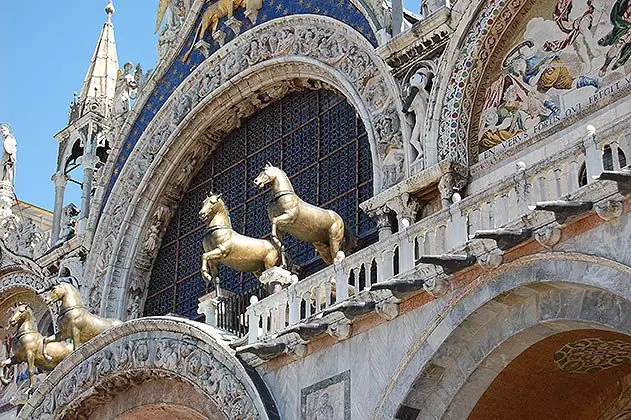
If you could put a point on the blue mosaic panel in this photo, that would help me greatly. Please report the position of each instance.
(342, 10)
(318, 139)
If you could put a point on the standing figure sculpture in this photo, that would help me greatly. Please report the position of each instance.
(74, 321)
(288, 213)
(416, 103)
(28, 346)
(222, 245)
(9, 152)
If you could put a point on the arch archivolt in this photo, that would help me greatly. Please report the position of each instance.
(183, 354)
(479, 30)
(537, 295)
(258, 67)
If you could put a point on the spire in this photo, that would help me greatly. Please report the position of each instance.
(100, 81)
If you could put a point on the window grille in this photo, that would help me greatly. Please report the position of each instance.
(318, 139)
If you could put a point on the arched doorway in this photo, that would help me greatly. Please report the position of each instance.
(164, 367)
(317, 137)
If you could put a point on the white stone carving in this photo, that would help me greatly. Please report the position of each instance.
(90, 379)
(68, 222)
(24, 237)
(548, 236)
(417, 104)
(9, 152)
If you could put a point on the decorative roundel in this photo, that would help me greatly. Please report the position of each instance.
(592, 355)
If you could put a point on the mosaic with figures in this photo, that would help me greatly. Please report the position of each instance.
(561, 58)
(318, 139)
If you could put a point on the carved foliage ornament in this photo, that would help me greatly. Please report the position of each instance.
(323, 39)
(119, 366)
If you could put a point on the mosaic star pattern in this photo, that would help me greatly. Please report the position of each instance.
(342, 10)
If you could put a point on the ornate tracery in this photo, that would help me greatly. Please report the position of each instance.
(318, 139)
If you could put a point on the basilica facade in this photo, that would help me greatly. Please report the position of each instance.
(468, 164)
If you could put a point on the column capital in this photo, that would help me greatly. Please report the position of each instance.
(381, 216)
(60, 179)
(406, 207)
(89, 161)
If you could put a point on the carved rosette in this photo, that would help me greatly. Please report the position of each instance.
(341, 57)
(132, 354)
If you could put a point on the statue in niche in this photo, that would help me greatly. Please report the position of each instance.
(416, 103)
(222, 245)
(28, 346)
(288, 213)
(68, 222)
(125, 90)
(9, 153)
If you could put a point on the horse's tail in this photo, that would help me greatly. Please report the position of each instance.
(351, 242)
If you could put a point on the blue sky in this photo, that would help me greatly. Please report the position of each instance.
(46, 49)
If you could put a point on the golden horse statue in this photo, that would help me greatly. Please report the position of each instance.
(28, 345)
(74, 321)
(222, 245)
(288, 213)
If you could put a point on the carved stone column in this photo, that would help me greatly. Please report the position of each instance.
(60, 179)
(381, 216)
(406, 209)
(7, 199)
(397, 17)
(452, 183)
(89, 165)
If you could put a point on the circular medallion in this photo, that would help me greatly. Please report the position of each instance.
(592, 355)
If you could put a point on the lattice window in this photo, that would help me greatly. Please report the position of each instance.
(318, 139)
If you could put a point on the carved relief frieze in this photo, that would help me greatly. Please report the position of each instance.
(91, 380)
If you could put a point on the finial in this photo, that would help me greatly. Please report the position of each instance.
(109, 10)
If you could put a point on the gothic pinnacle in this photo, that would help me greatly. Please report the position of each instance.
(109, 10)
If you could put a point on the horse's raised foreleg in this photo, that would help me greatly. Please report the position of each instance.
(284, 219)
(45, 341)
(336, 237)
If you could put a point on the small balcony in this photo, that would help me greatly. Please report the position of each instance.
(566, 175)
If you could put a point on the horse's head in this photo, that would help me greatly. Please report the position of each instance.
(21, 312)
(56, 294)
(267, 175)
(210, 206)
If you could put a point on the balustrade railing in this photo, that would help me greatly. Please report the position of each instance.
(496, 206)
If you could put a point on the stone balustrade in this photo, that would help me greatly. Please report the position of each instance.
(503, 204)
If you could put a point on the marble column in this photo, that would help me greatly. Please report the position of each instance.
(89, 163)
(397, 17)
(381, 216)
(60, 179)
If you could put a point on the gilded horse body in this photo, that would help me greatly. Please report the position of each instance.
(74, 321)
(28, 345)
(222, 245)
(308, 223)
